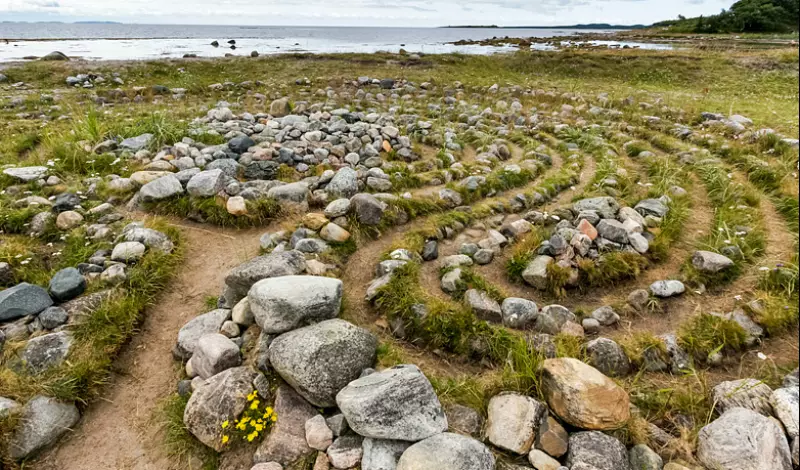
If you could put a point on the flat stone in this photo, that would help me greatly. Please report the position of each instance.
(165, 187)
(213, 354)
(484, 306)
(744, 393)
(668, 288)
(46, 351)
(710, 262)
(513, 421)
(281, 304)
(286, 442)
(22, 300)
(447, 451)
(27, 173)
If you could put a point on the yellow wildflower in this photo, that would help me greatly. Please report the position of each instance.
(274, 418)
(225, 439)
(251, 436)
(225, 424)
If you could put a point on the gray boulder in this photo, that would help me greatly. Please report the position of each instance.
(22, 300)
(607, 207)
(285, 263)
(396, 404)
(786, 407)
(43, 420)
(213, 354)
(286, 442)
(67, 284)
(513, 421)
(744, 393)
(345, 452)
(27, 173)
(742, 439)
(344, 184)
(654, 207)
(381, 454)
(206, 183)
(710, 262)
(368, 209)
(53, 317)
(612, 229)
(198, 327)
(320, 360)
(134, 144)
(668, 288)
(597, 451)
(163, 188)
(447, 451)
(608, 357)
(535, 274)
(148, 237)
(485, 307)
(46, 351)
(292, 195)
(519, 313)
(642, 457)
(281, 304)
(605, 315)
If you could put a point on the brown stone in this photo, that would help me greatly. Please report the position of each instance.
(552, 438)
(587, 229)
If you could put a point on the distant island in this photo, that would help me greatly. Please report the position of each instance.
(574, 26)
(97, 22)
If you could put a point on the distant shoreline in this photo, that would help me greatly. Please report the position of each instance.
(575, 26)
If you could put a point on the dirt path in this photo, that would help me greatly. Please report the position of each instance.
(119, 432)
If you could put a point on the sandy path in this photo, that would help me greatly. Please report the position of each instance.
(119, 432)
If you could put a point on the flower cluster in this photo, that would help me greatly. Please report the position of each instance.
(256, 419)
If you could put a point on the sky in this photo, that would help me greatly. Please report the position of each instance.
(358, 12)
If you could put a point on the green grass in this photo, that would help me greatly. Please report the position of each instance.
(213, 211)
(178, 441)
(705, 334)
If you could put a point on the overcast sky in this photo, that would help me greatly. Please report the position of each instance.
(358, 12)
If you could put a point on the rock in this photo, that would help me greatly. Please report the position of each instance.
(148, 237)
(320, 360)
(483, 256)
(344, 184)
(222, 398)
(455, 261)
(396, 404)
(134, 144)
(8, 407)
(451, 197)
(280, 108)
(542, 461)
(162, 188)
(338, 424)
(639, 243)
(786, 407)
(607, 207)
(639, 299)
(333, 233)
(653, 207)
(281, 304)
(42, 422)
(345, 452)
(67, 284)
(68, 220)
(552, 319)
(709, 262)
(596, 451)
(463, 420)
(381, 454)
(582, 396)
(55, 56)
(27, 173)
(535, 274)
(236, 205)
(241, 144)
(447, 451)
(293, 195)
(213, 354)
(337, 208)
(286, 442)
(608, 357)
(612, 229)
(241, 278)
(46, 351)
(792, 379)
(368, 210)
(206, 183)
(241, 313)
(642, 457)
(519, 313)
(197, 327)
(127, 252)
(606, 316)
(552, 438)
(742, 439)
(484, 306)
(53, 317)
(22, 300)
(318, 435)
(513, 421)
(267, 466)
(665, 289)
(744, 393)
(430, 251)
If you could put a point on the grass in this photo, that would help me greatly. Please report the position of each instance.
(706, 334)
(213, 211)
(178, 441)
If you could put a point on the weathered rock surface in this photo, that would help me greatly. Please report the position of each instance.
(21, 300)
(286, 263)
(595, 450)
(281, 304)
(42, 421)
(447, 451)
(197, 327)
(213, 354)
(380, 454)
(744, 393)
(286, 441)
(513, 421)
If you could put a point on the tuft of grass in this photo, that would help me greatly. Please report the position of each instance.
(213, 211)
(706, 334)
(178, 441)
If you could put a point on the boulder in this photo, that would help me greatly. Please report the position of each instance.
(519, 313)
(127, 252)
(46, 351)
(642, 457)
(368, 210)
(786, 407)
(198, 327)
(281, 304)
(221, 398)
(337, 208)
(668, 288)
(612, 229)
(345, 452)
(285, 263)
(513, 421)
(463, 420)
(334, 233)
(22, 300)
(606, 316)
(552, 438)
(286, 442)
(606, 207)
(552, 318)
(381, 454)
(68, 220)
(596, 451)
(292, 195)
(213, 354)
(164, 187)
(744, 393)
(653, 207)
(134, 144)
(484, 307)
(742, 439)
(447, 451)
(710, 262)
(53, 317)
(241, 143)
(344, 184)
(395, 404)
(320, 360)
(67, 284)
(535, 274)
(27, 174)
(608, 357)
(42, 421)
(206, 183)
(318, 435)
(584, 397)
(542, 461)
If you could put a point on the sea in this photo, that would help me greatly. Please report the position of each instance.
(146, 42)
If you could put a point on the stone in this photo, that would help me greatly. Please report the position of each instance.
(267, 466)
(206, 183)
(286, 263)
(240, 144)
(447, 451)
(68, 220)
(709, 262)
(552, 318)
(668, 288)
(213, 354)
(395, 404)
(286, 442)
(8, 407)
(451, 197)
(584, 397)
(594, 450)
(242, 314)
(639, 299)
(368, 210)
(512, 421)
(67, 284)
(345, 452)
(338, 424)
(22, 300)
(612, 229)
(148, 237)
(334, 233)
(642, 457)
(451, 281)
(483, 306)
(53, 317)
(280, 108)
(320, 360)
(483, 256)
(344, 184)
(337, 208)
(786, 407)
(605, 315)
(43, 421)
(318, 435)
(281, 304)
(430, 251)
(744, 393)
(127, 252)
(653, 207)
(162, 188)
(197, 327)
(542, 461)
(455, 261)
(742, 439)
(236, 205)
(381, 454)
(46, 351)
(519, 313)
(552, 438)
(608, 357)
(27, 174)
(222, 397)
(535, 274)
(134, 144)
(463, 420)
(606, 207)
(639, 243)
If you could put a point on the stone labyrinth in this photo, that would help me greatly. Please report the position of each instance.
(450, 278)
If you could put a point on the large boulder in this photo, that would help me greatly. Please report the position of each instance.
(42, 421)
(594, 450)
(344, 184)
(367, 209)
(286, 442)
(148, 237)
(320, 360)
(396, 404)
(281, 304)
(198, 327)
(22, 300)
(447, 451)
(584, 397)
(46, 351)
(742, 439)
(744, 393)
(206, 183)
(513, 421)
(285, 263)
(293, 196)
(163, 188)
(221, 398)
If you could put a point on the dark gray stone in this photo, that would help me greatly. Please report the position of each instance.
(21, 300)
(67, 284)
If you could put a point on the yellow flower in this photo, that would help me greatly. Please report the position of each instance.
(225, 439)
(274, 418)
(259, 427)
(225, 424)
(269, 410)
(245, 419)
(254, 405)
(251, 436)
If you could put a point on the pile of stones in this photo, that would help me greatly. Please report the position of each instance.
(89, 80)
